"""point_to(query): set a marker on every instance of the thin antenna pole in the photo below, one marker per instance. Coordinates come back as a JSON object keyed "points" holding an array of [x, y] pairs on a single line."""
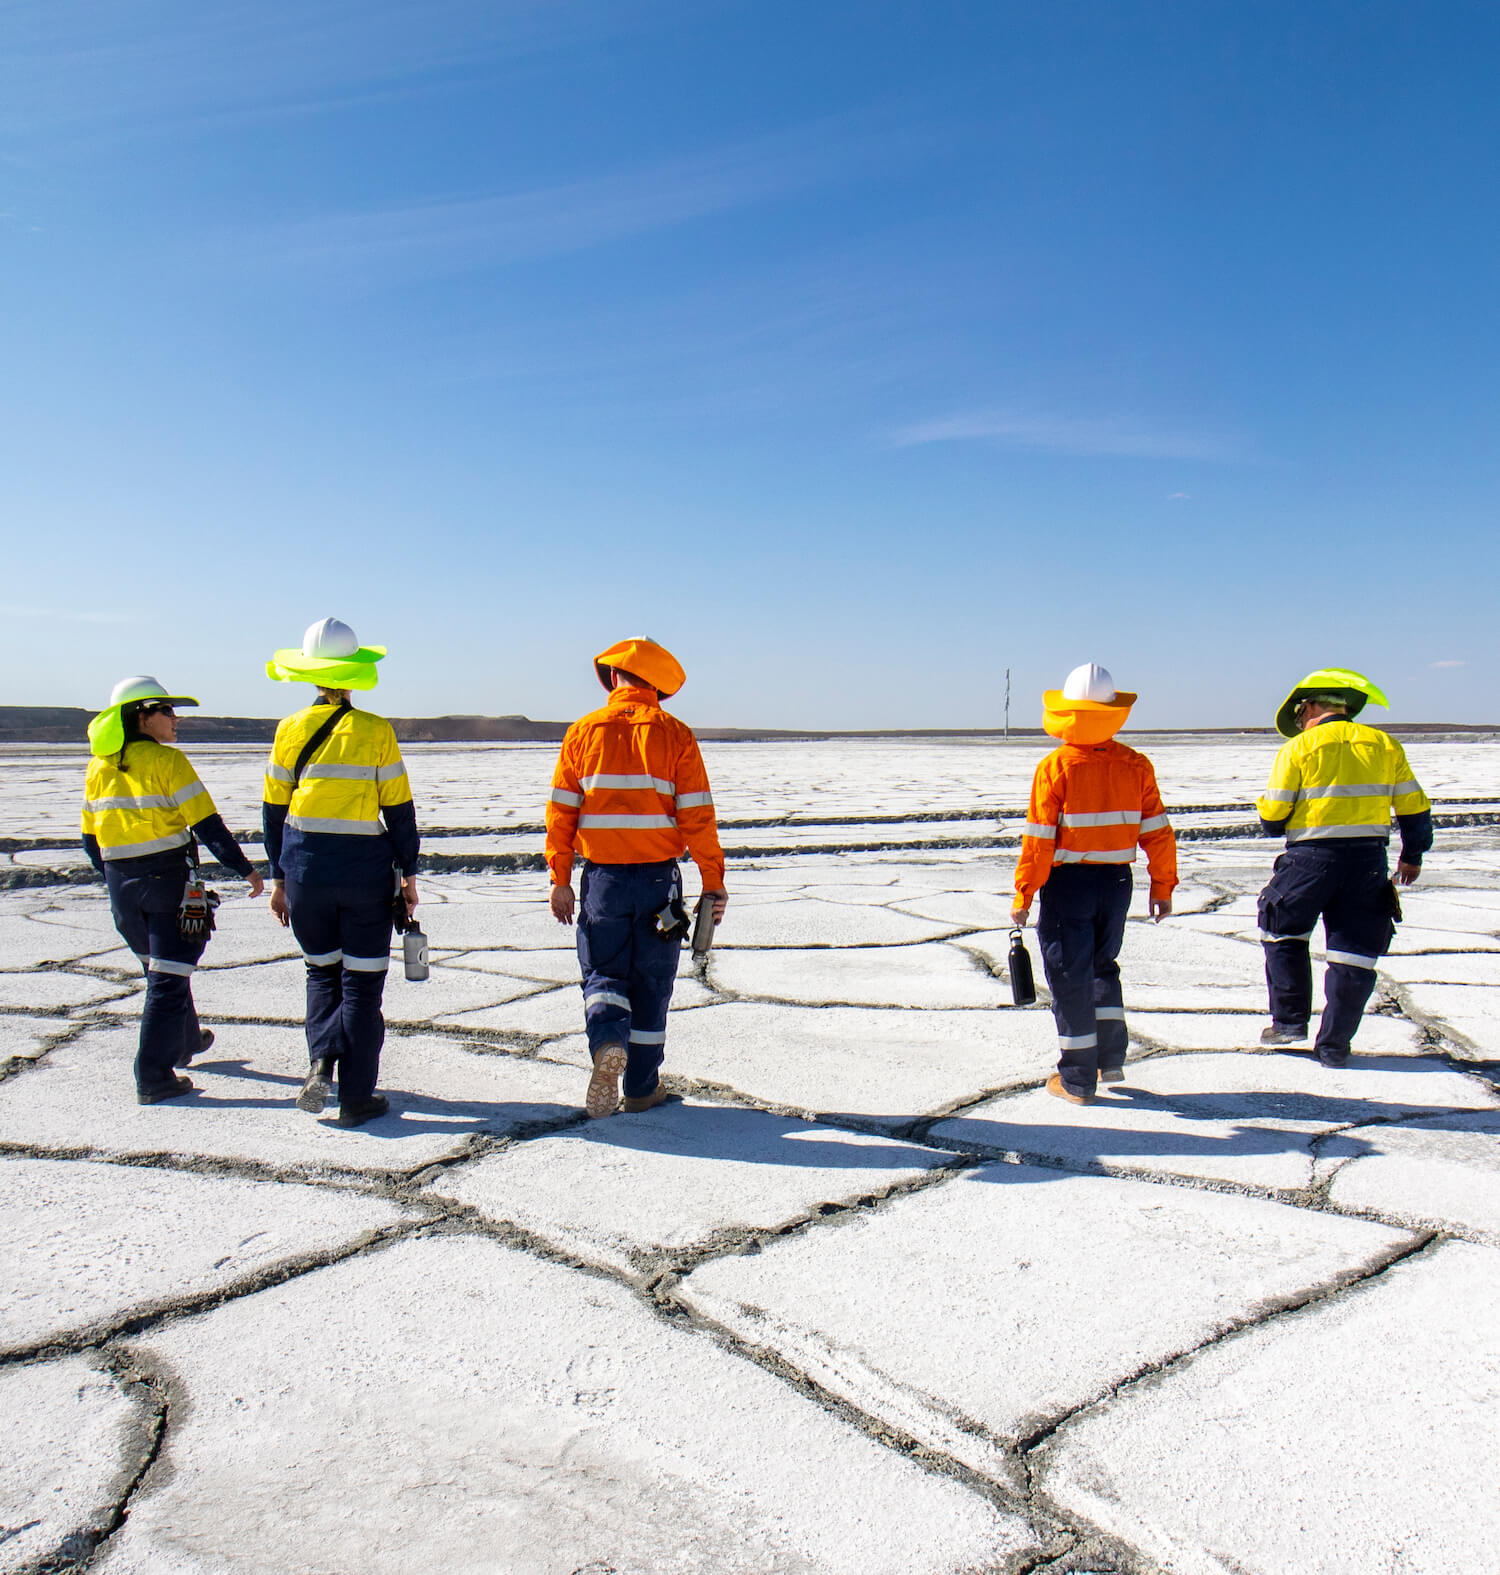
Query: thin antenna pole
{"points": [[1007, 703]]}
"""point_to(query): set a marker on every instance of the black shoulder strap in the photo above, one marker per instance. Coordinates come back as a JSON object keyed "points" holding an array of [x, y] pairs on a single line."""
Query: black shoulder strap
{"points": [[315, 743]]}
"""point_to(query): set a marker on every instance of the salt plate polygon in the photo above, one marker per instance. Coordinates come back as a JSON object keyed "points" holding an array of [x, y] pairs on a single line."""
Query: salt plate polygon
{"points": [[72, 1442], [1444, 1175], [629, 1190], [1359, 1434], [930, 975], [477, 1398], [82, 1097], [81, 1243], [1010, 1295]]}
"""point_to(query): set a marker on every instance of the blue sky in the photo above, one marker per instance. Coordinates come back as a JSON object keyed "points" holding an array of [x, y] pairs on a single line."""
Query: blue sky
{"points": [[856, 351]]}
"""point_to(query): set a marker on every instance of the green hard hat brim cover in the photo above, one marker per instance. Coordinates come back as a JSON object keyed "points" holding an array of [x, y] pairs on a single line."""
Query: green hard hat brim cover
{"points": [[1354, 689], [107, 729], [355, 671]]}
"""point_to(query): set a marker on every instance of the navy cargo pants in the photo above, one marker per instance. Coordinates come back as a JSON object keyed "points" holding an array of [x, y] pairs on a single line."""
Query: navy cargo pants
{"points": [[345, 935], [1080, 927], [628, 969], [1348, 887], [144, 895]]}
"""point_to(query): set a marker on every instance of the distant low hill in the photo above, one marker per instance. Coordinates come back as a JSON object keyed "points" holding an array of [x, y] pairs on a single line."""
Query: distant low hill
{"points": [[40, 724]]}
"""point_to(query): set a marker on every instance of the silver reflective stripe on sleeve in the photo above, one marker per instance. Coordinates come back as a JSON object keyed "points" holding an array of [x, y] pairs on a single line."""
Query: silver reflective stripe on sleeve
{"points": [[1270, 939], [1155, 823], [167, 965], [694, 800], [1352, 960], [1078, 1041], [1094, 856], [275, 773], [97, 806], [323, 959], [1280, 795], [1102, 817], [1401, 789], [1351, 790], [390, 773], [1034, 829], [648, 1036], [1381, 829], [340, 828], [1110, 1014], [366, 964], [562, 796], [625, 822], [187, 792], [602, 998], [138, 850], [606, 779], [338, 772]]}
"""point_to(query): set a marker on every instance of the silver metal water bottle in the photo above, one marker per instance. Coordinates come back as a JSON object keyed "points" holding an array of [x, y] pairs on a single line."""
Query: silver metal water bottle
{"points": [[414, 952]]}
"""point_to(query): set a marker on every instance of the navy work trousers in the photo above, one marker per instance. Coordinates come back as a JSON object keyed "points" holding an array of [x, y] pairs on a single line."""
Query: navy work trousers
{"points": [[345, 935], [1080, 927], [628, 969], [1349, 889], [144, 901]]}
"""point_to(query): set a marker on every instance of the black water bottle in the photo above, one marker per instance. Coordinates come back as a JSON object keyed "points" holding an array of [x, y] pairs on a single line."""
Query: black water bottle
{"points": [[1022, 984]]}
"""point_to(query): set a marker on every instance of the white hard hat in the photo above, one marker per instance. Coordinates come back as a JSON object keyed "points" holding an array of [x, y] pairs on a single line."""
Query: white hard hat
{"points": [[141, 687], [330, 638], [1090, 682]]}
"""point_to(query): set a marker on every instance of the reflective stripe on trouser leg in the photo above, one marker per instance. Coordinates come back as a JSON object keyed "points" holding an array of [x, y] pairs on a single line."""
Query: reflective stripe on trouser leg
{"points": [[1359, 926], [1288, 909], [169, 1024], [627, 968]]}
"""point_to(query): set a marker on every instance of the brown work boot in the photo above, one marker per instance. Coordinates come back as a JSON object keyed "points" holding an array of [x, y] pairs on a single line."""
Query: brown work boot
{"points": [[603, 1097], [657, 1096], [1111, 1074], [1055, 1086]]}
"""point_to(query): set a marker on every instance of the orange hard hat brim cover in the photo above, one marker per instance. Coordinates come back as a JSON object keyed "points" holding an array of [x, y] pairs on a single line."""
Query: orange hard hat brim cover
{"points": [[645, 659]]}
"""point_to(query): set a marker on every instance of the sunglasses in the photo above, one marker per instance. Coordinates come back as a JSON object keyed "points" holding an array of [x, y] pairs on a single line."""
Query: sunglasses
{"points": [[156, 710]]}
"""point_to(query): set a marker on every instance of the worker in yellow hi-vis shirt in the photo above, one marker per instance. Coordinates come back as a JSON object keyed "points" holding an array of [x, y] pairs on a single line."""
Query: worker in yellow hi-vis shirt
{"points": [[1333, 790]]}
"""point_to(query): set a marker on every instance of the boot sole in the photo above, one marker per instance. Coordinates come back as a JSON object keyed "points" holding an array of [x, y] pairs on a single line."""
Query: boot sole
{"points": [[603, 1097], [314, 1095]]}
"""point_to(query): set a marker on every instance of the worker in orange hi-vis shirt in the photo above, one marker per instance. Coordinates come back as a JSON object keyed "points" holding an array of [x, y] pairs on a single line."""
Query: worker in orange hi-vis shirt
{"points": [[1092, 801], [630, 796]]}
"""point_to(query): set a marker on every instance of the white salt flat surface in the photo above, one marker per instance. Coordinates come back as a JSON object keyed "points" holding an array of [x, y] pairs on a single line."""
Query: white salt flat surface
{"points": [[45, 992], [1444, 1175], [82, 1096], [557, 1420], [1027, 1290], [80, 1243], [1445, 968], [918, 976], [882, 1067], [28, 1037], [67, 1451], [627, 1190], [1359, 1435]]}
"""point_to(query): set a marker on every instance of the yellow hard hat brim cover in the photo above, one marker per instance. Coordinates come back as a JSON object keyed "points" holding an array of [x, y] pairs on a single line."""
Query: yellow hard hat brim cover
{"points": [[646, 659], [356, 671], [1354, 689], [107, 729]]}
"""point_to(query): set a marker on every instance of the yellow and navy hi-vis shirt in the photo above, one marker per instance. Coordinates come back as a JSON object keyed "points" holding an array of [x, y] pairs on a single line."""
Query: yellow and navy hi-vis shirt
{"points": [[1340, 779], [351, 814], [144, 805]]}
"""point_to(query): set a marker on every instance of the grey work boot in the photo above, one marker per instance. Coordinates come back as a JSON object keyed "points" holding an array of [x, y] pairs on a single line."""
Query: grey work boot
{"points": [[317, 1087]]}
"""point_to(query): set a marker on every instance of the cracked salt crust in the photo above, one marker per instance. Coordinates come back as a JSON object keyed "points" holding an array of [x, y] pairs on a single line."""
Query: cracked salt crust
{"points": [[1442, 1174], [70, 1447], [82, 1097], [558, 1424], [1357, 1435], [1011, 1295], [627, 1191], [936, 975], [81, 1243]]}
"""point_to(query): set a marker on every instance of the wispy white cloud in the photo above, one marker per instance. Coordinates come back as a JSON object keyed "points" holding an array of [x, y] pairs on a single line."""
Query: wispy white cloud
{"points": [[1179, 497], [95, 63], [483, 230], [1104, 437], [1450, 663], [53, 615]]}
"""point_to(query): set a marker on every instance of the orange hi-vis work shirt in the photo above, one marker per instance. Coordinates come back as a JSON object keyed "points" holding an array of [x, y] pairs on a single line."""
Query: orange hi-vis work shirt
{"points": [[630, 788], [1091, 804]]}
